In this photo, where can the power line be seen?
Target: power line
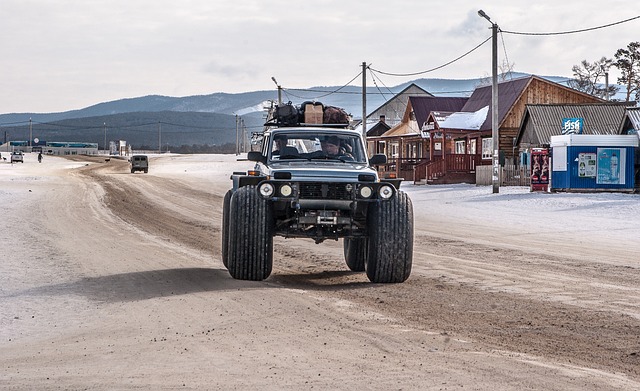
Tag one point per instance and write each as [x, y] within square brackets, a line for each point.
[433, 69]
[573, 31]
[327, 94]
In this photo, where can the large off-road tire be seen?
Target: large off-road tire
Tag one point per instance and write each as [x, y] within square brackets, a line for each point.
[226, 204]
[390, 247]
[250, 252]
[355, 253]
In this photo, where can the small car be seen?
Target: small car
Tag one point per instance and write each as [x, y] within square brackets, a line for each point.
[16, 156]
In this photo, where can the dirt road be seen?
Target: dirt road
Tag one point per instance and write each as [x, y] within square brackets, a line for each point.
[111, 280]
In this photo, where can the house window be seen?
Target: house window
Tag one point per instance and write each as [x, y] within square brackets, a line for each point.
[393, 149]
[473, 147]
[487, 146]
[460, 146]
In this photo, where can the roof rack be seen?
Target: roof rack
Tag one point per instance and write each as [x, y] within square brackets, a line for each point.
[309, 114]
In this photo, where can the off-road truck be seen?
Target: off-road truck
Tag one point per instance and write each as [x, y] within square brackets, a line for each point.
[139, 163]
[298, 190]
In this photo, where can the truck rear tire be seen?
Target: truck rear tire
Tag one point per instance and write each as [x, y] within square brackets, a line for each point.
[390, 247]
[226, 204]
[250, 252]
[355, 253]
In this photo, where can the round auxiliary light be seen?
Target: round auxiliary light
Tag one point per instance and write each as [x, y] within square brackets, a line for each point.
[266, 189]
[385, 192]
[365, 192]
[286, 190]
[348, 187]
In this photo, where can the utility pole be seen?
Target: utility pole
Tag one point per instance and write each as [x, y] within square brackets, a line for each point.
[606, 84]
[30, 131]
[244, 137]
[279, 91]
[159, 137]
[237, 147]
[364, 102]
[494, 103]
[104, 127]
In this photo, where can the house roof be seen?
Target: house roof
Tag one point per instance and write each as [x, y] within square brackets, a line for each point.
[465, 120]
[378, 129]
[545, 121]
[422, 106]
[632, 119]
[508, 94]
[394, 108]
[417, 90]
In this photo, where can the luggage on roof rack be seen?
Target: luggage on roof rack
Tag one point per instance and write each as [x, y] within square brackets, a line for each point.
[287, 114]
[309, 114]
[312, 112]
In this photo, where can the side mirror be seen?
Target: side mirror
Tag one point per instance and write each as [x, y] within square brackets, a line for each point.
[377, 159]
[255, 156]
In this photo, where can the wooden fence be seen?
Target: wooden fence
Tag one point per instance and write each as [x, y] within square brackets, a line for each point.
[510, 175]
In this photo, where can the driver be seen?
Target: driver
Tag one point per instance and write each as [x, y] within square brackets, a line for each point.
[331, 146]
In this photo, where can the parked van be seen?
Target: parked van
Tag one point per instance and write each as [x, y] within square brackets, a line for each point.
[139, 163]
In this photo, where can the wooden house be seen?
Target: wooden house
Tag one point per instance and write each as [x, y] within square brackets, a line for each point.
[392, 111]
[457, 140]
[407, 144]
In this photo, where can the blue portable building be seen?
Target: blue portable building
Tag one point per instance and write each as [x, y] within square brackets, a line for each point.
[584, 162]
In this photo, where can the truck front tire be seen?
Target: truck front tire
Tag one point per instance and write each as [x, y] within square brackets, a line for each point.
[250, 250]
[226, 204]
[390, 243]
[355, 253]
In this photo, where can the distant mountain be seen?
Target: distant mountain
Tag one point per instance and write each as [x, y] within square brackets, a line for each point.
[148, 130]
[206, 119]
[349, 98]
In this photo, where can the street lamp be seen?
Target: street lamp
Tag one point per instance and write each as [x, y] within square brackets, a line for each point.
[279, 91]
[494, 103]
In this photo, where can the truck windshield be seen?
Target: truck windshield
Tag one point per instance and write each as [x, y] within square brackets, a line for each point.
[321, 146]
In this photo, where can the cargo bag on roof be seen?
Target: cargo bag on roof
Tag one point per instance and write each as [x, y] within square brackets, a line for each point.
[287, 114]
[335, 115]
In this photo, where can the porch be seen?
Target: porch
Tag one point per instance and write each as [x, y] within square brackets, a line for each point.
[454, 168]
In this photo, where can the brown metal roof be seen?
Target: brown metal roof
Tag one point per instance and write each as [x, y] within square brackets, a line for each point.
[508, 94]
[423, 105]
[540, 122]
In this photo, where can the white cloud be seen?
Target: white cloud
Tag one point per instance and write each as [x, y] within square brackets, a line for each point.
[69, 54]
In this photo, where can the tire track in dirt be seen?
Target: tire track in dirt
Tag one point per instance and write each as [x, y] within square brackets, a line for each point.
[604, 340]
[132, 201]
[498, 320]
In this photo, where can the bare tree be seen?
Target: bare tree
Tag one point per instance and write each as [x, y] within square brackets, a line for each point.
[628, 62]
[505, 70]
[587, 76]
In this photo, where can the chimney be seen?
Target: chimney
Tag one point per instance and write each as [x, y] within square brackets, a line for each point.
[382, 118]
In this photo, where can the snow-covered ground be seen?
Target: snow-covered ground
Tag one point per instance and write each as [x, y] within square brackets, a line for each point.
[599, 214]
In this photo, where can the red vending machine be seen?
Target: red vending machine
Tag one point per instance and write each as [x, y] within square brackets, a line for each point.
[540, 169]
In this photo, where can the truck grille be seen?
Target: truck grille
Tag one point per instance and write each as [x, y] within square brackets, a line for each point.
[331, 191]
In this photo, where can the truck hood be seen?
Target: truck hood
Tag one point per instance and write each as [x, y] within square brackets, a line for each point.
[323, 171]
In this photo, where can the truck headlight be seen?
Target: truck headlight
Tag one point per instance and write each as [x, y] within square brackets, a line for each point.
[385, 192]
[285, 190]
[266, 189]
[365, 192]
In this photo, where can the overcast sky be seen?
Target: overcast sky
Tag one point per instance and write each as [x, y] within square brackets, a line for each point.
[59, 55]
